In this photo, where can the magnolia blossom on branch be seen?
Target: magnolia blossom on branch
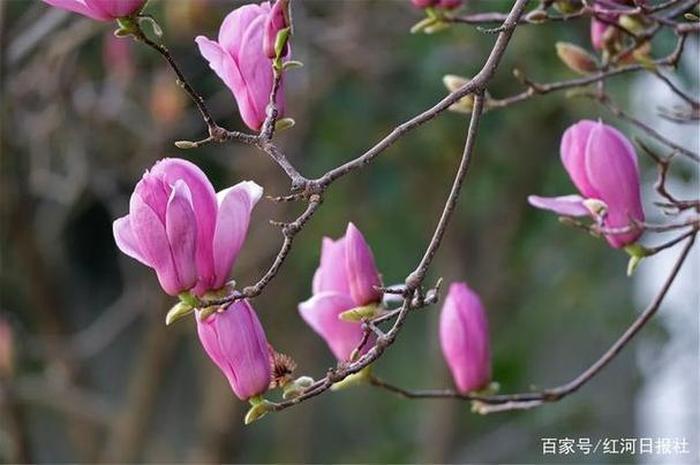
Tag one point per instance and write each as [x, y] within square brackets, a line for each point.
[191, 236]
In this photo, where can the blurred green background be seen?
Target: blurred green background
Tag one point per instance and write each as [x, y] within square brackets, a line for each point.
[98, 377]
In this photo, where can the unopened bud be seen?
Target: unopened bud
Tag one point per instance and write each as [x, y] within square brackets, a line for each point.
[284, 123]
[297, 387]
[185, 144]
[454, 82]
[576, 58]
[537, 16]
[567, 7]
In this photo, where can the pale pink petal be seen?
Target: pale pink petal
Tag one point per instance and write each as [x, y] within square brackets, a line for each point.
[235, 206]
[150, 234]
[363, 277]
[116, 8]
[573, 156]
[236, 23]
[126, 241]
[256, 69]
[181, 229]
[204, 205]
[612, 169]
[81, 7]
[332, 272]
[566, 205]
[321, 313]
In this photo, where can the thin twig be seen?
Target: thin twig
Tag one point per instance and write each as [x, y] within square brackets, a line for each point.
[519, 401]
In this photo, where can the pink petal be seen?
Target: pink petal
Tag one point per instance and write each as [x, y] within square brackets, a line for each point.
[321, 313]
[611, 163]
[154, 192]
[235, 206]
[116, 8]
[235, 25]
[573, 156]
[225, 66]
[362, 272]
[256, 69]
[598, 29]
[150, 234]
[79, 6]
[332, 272]
[566, 205]
[181, 229]
[205, 209]
[236, 342]
[125, 239]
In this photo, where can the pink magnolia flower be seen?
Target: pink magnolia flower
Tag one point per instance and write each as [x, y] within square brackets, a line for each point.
[602, 164]
[464, 338]
[274, 23]
[239, 60]
[449, 4]
[101, 10]
[424, 3]
[346, 278]
[235, 341]
[179, 227]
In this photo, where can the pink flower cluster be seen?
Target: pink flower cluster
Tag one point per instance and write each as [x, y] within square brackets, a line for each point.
[602, 164]
[191, 235]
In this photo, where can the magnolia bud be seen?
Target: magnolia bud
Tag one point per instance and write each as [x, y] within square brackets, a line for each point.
[449, 4]
[567, 7]
[424, 3]
[537, 16]
[454, 82]
[576, 58]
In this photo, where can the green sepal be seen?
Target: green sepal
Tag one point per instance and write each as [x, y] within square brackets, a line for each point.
[422, 24]
[291, 64]
[284, 123]
[281, 40]
[636, 252]
[357, 314]
[188, 299]
[259, 408]
[177, 312]
[355, 379]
